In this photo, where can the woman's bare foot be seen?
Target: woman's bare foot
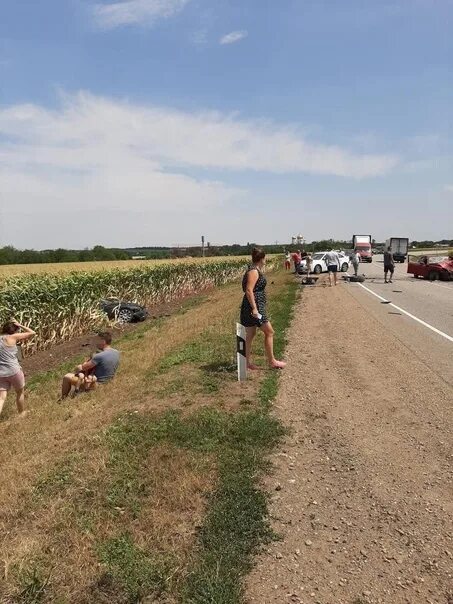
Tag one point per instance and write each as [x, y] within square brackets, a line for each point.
[277, 364]
[23, 413]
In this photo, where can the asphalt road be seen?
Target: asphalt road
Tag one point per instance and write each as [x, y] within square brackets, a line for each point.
[430, 302]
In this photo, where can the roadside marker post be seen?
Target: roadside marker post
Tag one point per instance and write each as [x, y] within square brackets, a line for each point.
[241, 359]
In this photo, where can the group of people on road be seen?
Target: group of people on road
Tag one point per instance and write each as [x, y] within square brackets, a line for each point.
[333, 263]
[297, 258]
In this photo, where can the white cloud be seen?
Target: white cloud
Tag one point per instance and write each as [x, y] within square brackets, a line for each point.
[172, 138]
[234, 36]
[100, 163]
[130, 12]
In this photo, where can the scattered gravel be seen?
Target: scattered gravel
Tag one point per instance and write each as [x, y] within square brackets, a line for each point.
[362, 489]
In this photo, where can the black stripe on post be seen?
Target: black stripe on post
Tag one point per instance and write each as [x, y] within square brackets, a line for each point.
[240, 345]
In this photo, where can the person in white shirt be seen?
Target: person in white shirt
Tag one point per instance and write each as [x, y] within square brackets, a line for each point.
[332, 260]
[355, 259]
[287, 261]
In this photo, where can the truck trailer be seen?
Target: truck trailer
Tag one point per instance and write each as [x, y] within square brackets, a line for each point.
[399, 246]
[362, 243]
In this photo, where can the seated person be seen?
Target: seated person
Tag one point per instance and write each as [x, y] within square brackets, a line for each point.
[99, 369]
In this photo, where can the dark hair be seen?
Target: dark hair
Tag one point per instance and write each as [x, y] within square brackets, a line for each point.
[9, 328]
[106, 336]
[258, 254]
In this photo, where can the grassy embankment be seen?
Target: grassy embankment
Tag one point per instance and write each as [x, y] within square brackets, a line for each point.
[147, 488]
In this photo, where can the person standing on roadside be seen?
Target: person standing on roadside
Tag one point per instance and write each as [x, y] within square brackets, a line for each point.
[309, 263]
[332, 260]
[389, 265]
[297, 259]
[287, 261]
[355, 260]
[253, 310]
[11, 374]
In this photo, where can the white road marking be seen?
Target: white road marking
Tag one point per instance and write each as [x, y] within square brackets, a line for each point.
[408, 314]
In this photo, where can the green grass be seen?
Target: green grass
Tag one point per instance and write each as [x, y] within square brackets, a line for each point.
[37, 381]
[210, 361]
[33, 585]
[59, 477]
[137, 573]
[237, 520]
[281, 318]
[211, 349]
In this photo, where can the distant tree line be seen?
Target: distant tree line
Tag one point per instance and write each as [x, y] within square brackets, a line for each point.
[430, 244]
[10, 255]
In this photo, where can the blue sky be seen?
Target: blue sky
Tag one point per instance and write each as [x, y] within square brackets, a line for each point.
[155, 121]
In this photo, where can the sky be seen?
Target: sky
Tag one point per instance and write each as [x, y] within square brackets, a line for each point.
[153, 122]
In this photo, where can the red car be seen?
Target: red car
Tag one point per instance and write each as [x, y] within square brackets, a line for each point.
[431, 268]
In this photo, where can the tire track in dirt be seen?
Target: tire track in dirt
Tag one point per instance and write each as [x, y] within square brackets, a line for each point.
[362, 489]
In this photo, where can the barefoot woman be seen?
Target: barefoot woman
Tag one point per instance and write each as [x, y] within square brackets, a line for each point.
[253, 310]
[11, 374]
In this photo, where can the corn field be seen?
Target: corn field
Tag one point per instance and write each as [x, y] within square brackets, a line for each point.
[12, 270]
[61, 307]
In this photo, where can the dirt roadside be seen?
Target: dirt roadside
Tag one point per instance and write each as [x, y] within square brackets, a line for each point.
[361, 492]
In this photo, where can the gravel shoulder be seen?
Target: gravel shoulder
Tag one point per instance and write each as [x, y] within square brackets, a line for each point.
[361, 492]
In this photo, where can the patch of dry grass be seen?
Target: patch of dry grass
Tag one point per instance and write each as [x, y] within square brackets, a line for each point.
[62, 532]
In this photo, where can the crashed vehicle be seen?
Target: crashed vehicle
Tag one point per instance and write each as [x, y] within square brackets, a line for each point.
[432, 268]
[123, 312]
[319, 264]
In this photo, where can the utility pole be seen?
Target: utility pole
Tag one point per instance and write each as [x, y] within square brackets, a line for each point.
[202, 245]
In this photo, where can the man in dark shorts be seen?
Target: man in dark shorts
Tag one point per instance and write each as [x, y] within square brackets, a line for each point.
[389, 265]
[332, 260]
[99, 369]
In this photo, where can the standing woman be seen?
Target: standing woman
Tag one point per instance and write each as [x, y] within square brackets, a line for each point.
[253, 310]
[287, 261]
[11, 374]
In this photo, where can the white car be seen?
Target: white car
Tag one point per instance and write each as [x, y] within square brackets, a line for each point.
[319, 264]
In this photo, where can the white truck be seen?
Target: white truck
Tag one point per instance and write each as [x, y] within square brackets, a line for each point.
[399, 246]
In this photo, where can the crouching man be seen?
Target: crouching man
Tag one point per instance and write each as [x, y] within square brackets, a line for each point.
[99, 369]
